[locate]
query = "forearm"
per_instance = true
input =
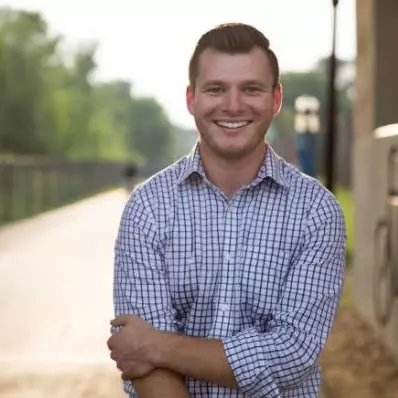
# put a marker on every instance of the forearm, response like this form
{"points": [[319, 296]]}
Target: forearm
{"points": [[161, 383], [202, 359], [256, 363]]}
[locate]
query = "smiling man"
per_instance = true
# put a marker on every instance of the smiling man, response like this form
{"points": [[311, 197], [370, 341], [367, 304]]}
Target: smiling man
{"points": [[230, 263]]}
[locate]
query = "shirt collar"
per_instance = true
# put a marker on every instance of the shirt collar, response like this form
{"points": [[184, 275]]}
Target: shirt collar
{"points": [[272, 168], [192, 165]]}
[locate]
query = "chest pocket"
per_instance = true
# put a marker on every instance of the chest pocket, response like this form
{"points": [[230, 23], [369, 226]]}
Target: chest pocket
{"points": [[262, 273]]}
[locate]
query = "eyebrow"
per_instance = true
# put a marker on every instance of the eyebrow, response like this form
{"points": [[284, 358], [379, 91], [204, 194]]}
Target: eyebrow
{"points": [[244, 83], [254, 83], [213, 83]]}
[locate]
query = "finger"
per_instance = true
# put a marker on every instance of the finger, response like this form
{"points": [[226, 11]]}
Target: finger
{"points": [[120, 320], [110, 343]]}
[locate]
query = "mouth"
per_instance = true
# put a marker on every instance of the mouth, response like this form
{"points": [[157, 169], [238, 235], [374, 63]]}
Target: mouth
{"points": [[232, 125]]}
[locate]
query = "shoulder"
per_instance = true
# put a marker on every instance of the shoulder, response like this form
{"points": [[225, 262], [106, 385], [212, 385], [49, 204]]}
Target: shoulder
{"points": [[156, 193], [315, 199]]}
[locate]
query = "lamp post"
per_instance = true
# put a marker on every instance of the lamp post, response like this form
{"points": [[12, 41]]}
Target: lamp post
{"points": [[330, 137], [306, 125]]}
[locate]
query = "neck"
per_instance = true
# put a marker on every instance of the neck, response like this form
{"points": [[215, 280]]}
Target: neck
{"points": [[231, 174]]}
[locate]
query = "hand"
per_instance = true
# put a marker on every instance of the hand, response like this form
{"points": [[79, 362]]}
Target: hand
{"points": [[133, 369], [132, 346]]}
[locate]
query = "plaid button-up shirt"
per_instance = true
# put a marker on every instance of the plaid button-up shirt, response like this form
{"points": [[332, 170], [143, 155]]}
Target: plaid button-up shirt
{"points": [[262, 272]]}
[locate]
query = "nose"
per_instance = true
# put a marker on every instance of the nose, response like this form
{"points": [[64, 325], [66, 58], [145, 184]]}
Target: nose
{"points": [[233, 103]]}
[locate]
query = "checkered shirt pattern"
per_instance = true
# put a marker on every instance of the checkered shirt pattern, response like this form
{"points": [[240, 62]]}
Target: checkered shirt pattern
{"points": [[262, 272]]}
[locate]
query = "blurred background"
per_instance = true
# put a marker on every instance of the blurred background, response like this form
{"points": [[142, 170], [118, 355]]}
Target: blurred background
{"points": [[92, 101]]}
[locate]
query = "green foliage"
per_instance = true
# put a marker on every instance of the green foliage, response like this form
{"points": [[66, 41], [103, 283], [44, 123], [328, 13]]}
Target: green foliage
{"points": [[314, 83], [151, 134], [52, 108], [347, 203], [299, 83]]}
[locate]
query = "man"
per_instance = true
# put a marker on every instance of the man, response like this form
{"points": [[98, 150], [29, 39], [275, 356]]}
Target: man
{"points": [[230, 263], [129, 174]]}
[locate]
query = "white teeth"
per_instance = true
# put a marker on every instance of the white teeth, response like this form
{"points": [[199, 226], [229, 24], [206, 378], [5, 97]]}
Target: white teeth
{"points": [[232, 125]]}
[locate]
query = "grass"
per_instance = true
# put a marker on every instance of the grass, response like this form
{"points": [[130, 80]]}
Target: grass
{"points": [[346, 200]]}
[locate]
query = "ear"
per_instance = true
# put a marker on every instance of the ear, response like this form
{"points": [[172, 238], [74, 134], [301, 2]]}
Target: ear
{"points": [[190, 94], [278, 99]]}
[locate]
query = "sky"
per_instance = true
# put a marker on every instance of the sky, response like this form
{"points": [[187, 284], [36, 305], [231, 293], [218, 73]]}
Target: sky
{"points": [[149, 42]]}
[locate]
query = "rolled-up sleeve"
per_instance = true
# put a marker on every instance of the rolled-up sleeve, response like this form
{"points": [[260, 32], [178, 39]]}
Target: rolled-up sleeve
{"points": [[140, 286], [284, 354]]}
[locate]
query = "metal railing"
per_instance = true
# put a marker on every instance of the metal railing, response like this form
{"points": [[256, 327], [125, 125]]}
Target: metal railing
{"points": [[30, 187]]}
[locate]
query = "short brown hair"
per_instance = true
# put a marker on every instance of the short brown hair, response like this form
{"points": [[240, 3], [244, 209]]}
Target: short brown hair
{"points": [[232, 38]]}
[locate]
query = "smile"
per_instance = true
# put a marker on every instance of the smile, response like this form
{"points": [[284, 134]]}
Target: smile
{"points": [[232, 125]]}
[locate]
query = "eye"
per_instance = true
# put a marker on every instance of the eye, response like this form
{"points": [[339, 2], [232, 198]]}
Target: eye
{"points": [[252, 89], [215, 90]]}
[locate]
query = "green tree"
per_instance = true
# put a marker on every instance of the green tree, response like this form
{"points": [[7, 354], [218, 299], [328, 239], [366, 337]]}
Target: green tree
{"points": [[152, 132], [51, 107], [314, 83], [25, 52]]}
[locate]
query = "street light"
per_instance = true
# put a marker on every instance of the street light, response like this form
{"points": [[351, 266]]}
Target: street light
{"points": [[330, 136], [306, 125]]}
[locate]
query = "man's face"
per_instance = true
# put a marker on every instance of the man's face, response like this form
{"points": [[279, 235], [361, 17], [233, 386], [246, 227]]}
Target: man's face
{"points": [[233, 102]]}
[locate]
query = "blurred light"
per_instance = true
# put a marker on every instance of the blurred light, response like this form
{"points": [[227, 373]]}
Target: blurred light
{"points": [[307, 114]]}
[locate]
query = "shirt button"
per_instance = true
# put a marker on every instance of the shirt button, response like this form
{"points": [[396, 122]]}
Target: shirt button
{"points": [[224, 307], [227, 257]]}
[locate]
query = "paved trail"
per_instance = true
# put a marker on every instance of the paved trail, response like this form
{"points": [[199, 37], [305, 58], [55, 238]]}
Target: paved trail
{"points": [[56, 302]]}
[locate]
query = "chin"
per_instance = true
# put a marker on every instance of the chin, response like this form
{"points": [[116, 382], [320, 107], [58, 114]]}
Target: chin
{"points": [[231, 152]]}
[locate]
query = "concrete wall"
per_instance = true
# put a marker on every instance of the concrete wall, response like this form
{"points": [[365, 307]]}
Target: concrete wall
{"points": [[376, 105]]}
